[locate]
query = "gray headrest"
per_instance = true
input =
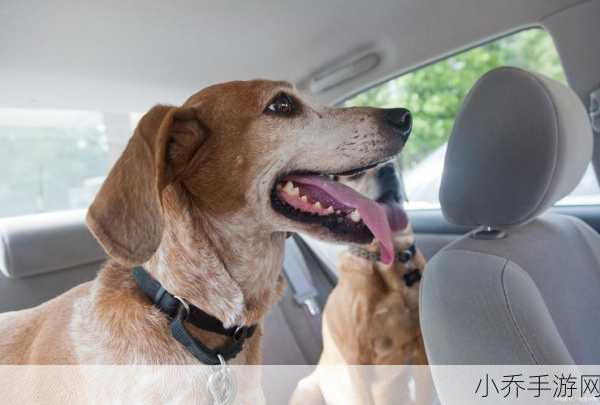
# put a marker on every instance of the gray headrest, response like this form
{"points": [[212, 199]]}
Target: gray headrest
{"points": [[44, 243], [520, 143]]}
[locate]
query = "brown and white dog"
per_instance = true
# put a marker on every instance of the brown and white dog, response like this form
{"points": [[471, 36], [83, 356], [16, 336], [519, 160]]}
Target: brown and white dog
{"points": [[372, 317], [202, 198]]}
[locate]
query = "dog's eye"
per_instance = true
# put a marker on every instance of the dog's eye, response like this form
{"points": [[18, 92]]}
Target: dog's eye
{"points": [[281, 104]]}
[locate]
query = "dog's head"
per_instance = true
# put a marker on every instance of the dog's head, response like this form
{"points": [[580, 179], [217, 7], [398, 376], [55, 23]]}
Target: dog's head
{"points": [[250, 157]]}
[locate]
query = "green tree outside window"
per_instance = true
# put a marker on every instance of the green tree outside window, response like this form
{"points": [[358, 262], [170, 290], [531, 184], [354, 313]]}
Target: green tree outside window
{"points": [[435, 92]]}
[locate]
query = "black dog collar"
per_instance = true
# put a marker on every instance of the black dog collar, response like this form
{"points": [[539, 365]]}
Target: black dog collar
{"points": [[181, 311], [403, 256]]}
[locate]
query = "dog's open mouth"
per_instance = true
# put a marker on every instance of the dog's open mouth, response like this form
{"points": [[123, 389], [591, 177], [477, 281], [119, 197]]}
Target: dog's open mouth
{"points": [[319, 199]]}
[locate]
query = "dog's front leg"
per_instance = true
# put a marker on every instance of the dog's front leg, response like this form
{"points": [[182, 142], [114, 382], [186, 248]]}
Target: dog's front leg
{"points": [[308, 392]]}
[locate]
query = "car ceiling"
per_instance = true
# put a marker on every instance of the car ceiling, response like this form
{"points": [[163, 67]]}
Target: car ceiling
{"points": [[124, 56]]}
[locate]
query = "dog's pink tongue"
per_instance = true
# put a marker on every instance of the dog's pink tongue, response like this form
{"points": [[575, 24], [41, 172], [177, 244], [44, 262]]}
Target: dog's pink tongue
{"points": [[372, 213]]}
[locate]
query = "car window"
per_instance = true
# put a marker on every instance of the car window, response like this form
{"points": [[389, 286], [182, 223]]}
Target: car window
{"points": [[434, 94], [56, 160]]}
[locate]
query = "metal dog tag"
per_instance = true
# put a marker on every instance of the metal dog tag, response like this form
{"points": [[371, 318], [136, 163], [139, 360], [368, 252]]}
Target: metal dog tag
{"points": [[221, 384]]}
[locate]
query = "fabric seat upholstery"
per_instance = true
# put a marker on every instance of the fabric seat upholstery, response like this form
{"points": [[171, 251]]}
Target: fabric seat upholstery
{"points": [[520, 143], [43, 255]]}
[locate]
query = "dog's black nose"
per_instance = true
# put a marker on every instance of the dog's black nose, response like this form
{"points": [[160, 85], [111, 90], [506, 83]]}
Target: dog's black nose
{"points": [[400, 119]]}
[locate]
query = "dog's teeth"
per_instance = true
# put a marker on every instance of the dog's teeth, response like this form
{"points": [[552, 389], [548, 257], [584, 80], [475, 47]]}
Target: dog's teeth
{"points": [[329, 210], [290, 189], [289, 186], [355, 216], [317, 205], [304, 199]]}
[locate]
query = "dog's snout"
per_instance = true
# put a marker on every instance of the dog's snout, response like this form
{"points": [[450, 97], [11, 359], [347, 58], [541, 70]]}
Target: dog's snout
{"points": [[400, 119]]}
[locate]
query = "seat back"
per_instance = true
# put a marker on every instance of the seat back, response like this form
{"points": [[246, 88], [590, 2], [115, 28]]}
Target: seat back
{"points": [[43, 255], [523, 299], [521, 287]]}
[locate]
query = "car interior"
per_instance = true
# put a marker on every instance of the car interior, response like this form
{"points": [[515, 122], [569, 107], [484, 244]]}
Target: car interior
{"points": [[526, 208]]}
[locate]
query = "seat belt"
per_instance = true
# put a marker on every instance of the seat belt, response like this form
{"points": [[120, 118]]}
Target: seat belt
{"points": [[298, 275], [309, 283], [594, 111]]}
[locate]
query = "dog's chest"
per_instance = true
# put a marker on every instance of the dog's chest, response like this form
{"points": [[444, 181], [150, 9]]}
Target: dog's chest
{"points": [[131, 385], [152, 367]]}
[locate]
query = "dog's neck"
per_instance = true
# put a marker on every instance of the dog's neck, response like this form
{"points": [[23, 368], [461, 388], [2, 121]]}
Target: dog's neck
{"points": [[230, 271]]}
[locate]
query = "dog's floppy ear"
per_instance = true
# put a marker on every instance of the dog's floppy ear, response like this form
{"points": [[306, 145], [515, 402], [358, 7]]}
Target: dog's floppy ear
{"points": [[126, 216]]}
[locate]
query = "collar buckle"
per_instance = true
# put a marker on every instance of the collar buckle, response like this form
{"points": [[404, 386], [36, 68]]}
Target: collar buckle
{"points": [[240, 333], [183, 304], [180, 311]]}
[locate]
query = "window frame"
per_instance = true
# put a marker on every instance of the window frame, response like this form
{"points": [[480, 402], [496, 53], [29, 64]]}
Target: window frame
{"points": [[341, 100]]}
